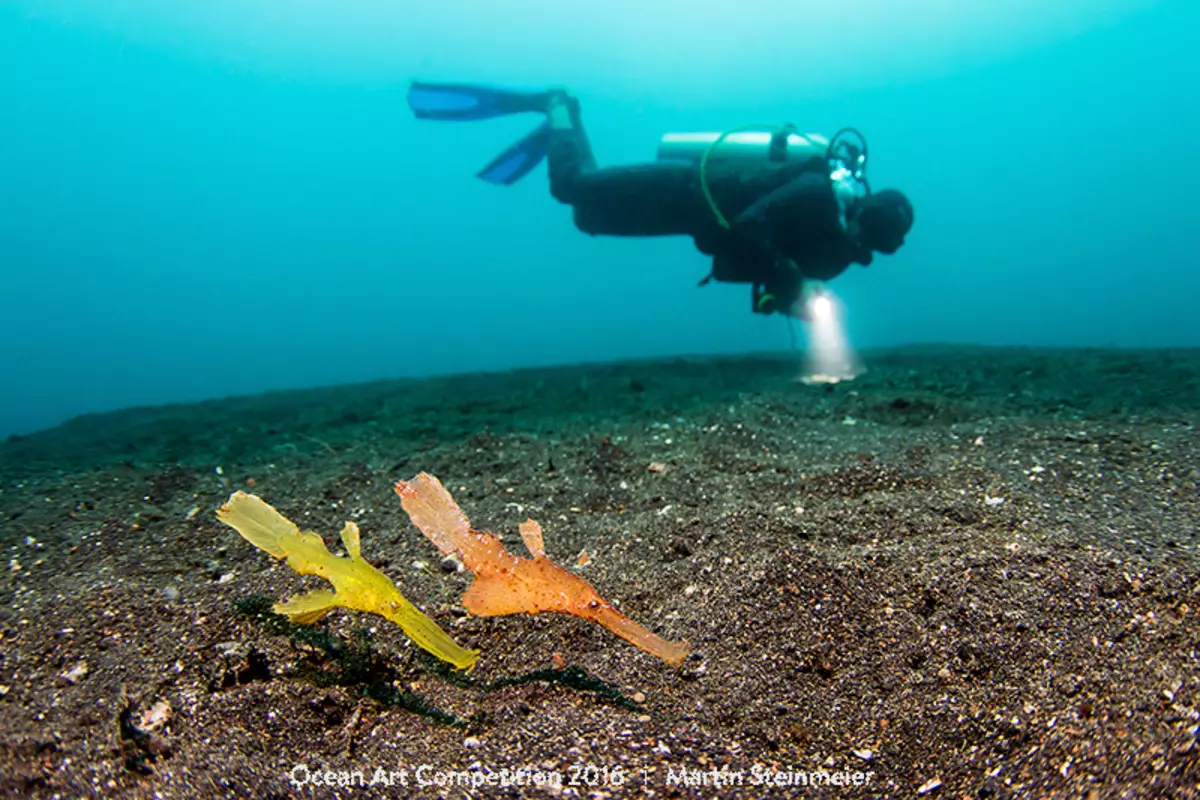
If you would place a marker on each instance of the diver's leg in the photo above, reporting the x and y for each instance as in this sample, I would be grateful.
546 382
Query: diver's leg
570 155
630 200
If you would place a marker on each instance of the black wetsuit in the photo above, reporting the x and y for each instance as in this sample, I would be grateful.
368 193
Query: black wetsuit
780 213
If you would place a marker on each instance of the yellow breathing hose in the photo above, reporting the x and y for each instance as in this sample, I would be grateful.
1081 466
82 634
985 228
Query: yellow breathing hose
712 203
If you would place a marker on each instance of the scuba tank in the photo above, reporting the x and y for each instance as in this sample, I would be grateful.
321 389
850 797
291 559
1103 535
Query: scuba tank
746 144
846 160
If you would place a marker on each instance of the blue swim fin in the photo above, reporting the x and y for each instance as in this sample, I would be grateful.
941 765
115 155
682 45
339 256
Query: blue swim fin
519 160
459 102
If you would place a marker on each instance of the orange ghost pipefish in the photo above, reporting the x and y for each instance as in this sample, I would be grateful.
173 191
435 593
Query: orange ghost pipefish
507 584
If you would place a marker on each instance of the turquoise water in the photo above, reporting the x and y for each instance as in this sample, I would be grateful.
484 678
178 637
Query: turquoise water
202 199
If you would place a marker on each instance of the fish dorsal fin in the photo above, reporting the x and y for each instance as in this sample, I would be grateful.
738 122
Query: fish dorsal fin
351 541
531 534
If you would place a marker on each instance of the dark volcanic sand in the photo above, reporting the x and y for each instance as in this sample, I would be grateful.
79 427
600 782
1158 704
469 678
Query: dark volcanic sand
969 566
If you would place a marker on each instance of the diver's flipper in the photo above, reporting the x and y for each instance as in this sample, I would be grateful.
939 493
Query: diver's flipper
517 161
458 102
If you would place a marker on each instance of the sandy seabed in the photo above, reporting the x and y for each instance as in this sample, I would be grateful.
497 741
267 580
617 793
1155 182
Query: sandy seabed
967 573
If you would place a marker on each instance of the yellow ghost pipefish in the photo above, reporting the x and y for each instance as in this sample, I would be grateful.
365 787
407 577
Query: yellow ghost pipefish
357 585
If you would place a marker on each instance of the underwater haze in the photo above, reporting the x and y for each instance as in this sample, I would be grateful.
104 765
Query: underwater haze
200 199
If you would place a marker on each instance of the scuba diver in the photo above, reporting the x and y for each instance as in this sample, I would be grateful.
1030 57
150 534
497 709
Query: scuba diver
781 211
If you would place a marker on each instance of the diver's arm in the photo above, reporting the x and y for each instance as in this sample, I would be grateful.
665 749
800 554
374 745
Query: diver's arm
754 229
753 238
